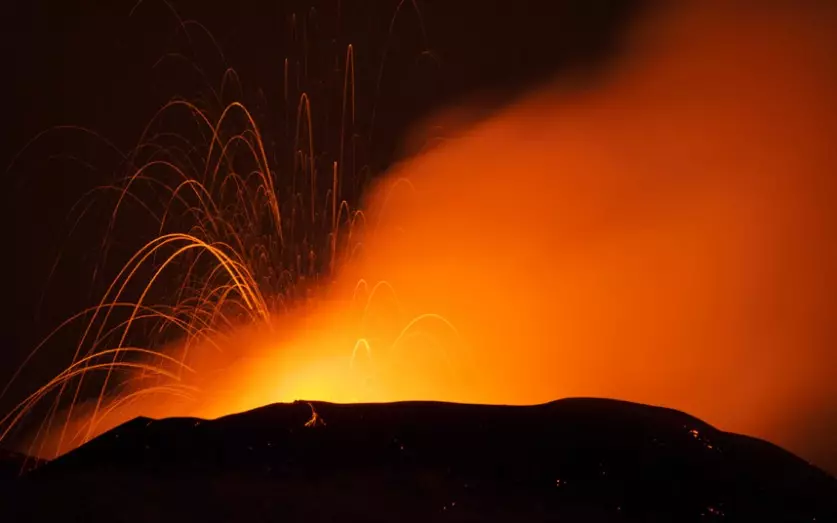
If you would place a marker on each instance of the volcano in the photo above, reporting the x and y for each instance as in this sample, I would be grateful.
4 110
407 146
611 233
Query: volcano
578 459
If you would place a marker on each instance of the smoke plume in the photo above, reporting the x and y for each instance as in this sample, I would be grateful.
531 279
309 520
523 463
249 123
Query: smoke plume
668 236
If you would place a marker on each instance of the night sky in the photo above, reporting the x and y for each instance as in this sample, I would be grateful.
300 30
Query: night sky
108 66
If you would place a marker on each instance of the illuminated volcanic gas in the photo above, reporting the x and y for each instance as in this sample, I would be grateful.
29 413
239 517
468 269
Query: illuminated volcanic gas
667 237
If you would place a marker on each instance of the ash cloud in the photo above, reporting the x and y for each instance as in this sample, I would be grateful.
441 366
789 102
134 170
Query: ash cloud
668 236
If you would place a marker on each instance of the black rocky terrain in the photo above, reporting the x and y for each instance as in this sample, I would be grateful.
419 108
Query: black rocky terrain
569 460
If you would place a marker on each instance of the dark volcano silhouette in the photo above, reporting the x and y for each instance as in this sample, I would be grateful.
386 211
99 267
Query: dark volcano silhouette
569 460
13 464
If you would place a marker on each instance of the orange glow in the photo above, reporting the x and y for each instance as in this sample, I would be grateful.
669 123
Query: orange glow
666 238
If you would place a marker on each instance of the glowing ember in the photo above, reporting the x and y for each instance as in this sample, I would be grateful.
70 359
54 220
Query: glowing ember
315 420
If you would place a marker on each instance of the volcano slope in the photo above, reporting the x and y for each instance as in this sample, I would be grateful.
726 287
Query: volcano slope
570 460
